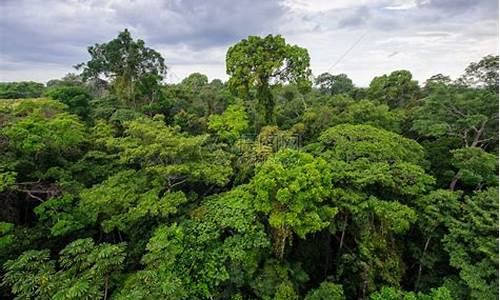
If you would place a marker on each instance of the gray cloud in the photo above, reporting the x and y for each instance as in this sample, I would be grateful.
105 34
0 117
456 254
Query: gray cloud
199 23
39 39
50 31
59 31
357 19
486 8
382 16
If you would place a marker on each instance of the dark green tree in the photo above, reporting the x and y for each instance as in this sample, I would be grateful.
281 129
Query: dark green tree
75 97
397 89
473 244
130 66
334 84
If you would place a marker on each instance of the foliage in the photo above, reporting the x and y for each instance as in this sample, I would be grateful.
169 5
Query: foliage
473 244
326 291
468 114
219 246
6 238
260 63
390 293
482 74
41 126
82 272
476 166
377 177
123 187
40 141
75 97
396 89
135 70
23 89
369 113
231 124
290 187
334 84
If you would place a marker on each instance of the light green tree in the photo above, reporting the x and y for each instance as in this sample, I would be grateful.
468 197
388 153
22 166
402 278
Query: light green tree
292 189
326 291
231 124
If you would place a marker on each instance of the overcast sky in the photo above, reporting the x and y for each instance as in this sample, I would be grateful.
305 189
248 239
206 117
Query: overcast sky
42 39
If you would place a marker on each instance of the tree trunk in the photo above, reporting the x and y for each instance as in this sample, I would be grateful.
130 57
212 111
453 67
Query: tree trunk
475 143
266 103
328 253
454 180
479 133
417 284
106 286
280 238
342 237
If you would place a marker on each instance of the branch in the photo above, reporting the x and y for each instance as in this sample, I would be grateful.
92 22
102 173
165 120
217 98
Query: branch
179 182
29 192
485 140
455 111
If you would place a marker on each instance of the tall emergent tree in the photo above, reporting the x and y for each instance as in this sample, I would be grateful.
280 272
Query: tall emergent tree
134 69
262 63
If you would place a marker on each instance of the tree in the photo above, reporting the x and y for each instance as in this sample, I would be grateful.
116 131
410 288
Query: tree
290 106
483 74
476 167
231 124
334 84
40 140
69 79
391 293
197 96
291 188
369 113
128 63
435 210
376 177
75 97
438 79
84 271
156 161
140 190
262 63
195 82
219 247
396 89
469 115
326 291
23 89
473 244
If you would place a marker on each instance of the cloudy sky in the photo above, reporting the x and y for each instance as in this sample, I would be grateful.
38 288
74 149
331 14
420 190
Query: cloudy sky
42 39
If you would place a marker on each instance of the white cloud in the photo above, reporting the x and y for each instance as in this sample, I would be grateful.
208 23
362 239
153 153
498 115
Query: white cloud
325 5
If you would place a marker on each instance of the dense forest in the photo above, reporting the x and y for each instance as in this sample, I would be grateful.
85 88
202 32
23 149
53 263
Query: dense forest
276 184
